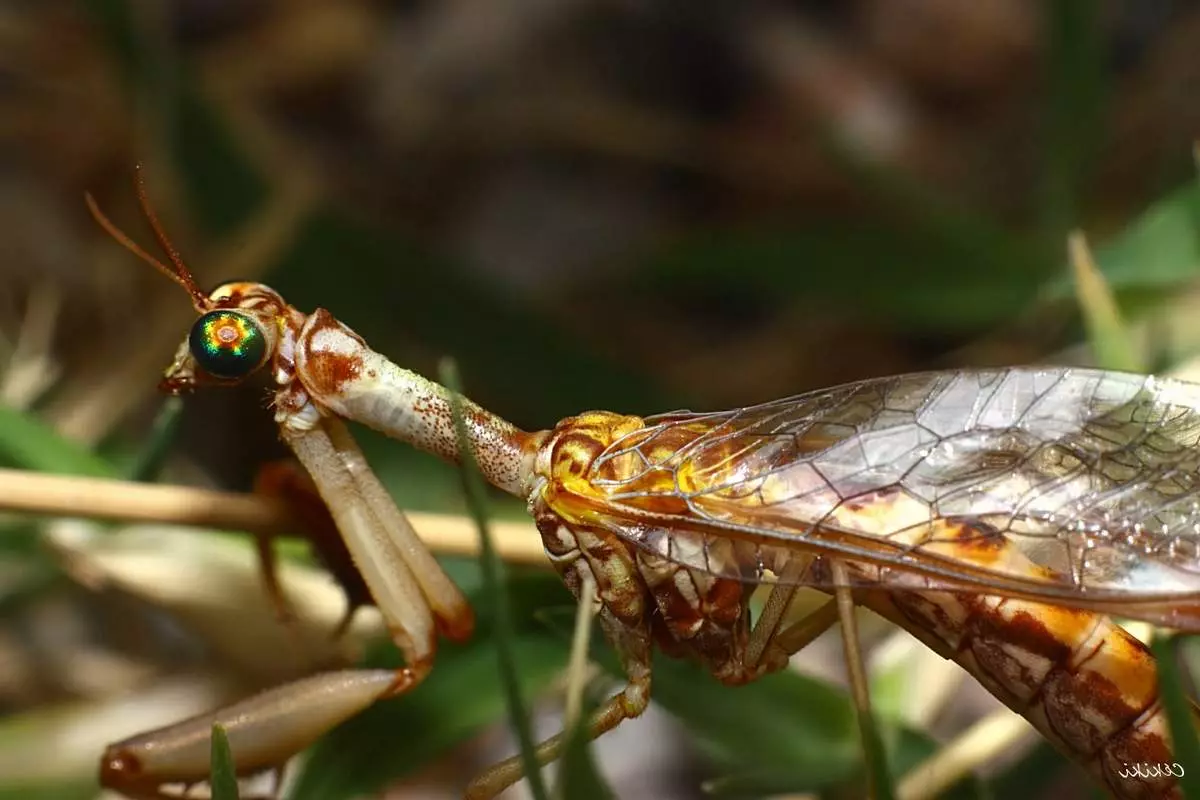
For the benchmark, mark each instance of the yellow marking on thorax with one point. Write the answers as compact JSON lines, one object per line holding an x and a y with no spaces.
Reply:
{"x":566,"y":456}
{"x":602,"y":455}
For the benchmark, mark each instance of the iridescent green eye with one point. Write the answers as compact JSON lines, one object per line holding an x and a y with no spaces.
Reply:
{"x":228,"y":344}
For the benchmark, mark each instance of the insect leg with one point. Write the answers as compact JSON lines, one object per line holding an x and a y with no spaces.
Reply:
{"x":628,"y":703}
{"x":269,"y":570}
{"x":395,"y":589}
{"x":624,"y":620}
{"x":450,"y":609}
{"x":286,"y":481}
{"x":766,"y":627}
{"x":269,"y":728}
{"x":264,"y":731}
{"x":799,"y":634}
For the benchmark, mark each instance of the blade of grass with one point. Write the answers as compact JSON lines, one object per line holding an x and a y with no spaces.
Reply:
{"x":476,"y":495}
{"x":223,"y":774}
{"x":879,"y":776}
{"x":28,"y":443}
{"x":1075,"y":82}
{"x":149,"y":460}
{"x":577,"y":669}
{"x":1107,"y":332}
{"x":221,"y":186}
{"x":65,"y":791}
{"x":1180,"y":716}
{"x":1155,"y":253}
{"x":578,"y":778}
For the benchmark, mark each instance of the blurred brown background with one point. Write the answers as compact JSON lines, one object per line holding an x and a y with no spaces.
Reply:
{"x":612,"y":203}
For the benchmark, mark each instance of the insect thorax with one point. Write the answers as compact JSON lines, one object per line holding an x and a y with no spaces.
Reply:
{"x":574,"y":453}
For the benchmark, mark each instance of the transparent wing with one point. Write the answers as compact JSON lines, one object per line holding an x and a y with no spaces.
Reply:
{"x":1075,"y":486}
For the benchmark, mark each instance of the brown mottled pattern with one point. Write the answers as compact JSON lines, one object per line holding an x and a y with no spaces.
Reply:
{"x":625,"y":612}
{"x":327,"y":372}
{"x":695,"y":614}
{"x":990,"y":512}
{"x":1087,"y":685}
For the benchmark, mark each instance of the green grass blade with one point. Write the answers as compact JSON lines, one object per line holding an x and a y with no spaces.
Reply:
{"x":1180,"y":717}
{"x":223,"y":775}
{"x":148,"y":462}
{"x":74,"y":790}
{"x":578,"y":778}
{"x":875,"y":756}
{"x":219,"y":182}
{"x":476,"y":494}
{"x":29,"y":443}
{"x":1072,"y":110}
{"x":577,"y":774}
{"x":1156,"y":253}
{"x":1109,"y":337}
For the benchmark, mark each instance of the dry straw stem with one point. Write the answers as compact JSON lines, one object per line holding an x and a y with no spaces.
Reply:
{"x":577,"y":669}
{"x":997,"y":734}
{"x":1107,"y":332}
{"x":101,"y":498}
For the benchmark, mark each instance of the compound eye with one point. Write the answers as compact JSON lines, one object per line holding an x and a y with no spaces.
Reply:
{"x":228,"y":344}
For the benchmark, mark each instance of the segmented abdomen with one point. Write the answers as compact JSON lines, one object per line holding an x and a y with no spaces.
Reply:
{"x":1084,"y":682}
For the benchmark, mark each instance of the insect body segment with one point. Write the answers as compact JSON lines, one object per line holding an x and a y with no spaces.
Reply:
{"x":1087,"y":685}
